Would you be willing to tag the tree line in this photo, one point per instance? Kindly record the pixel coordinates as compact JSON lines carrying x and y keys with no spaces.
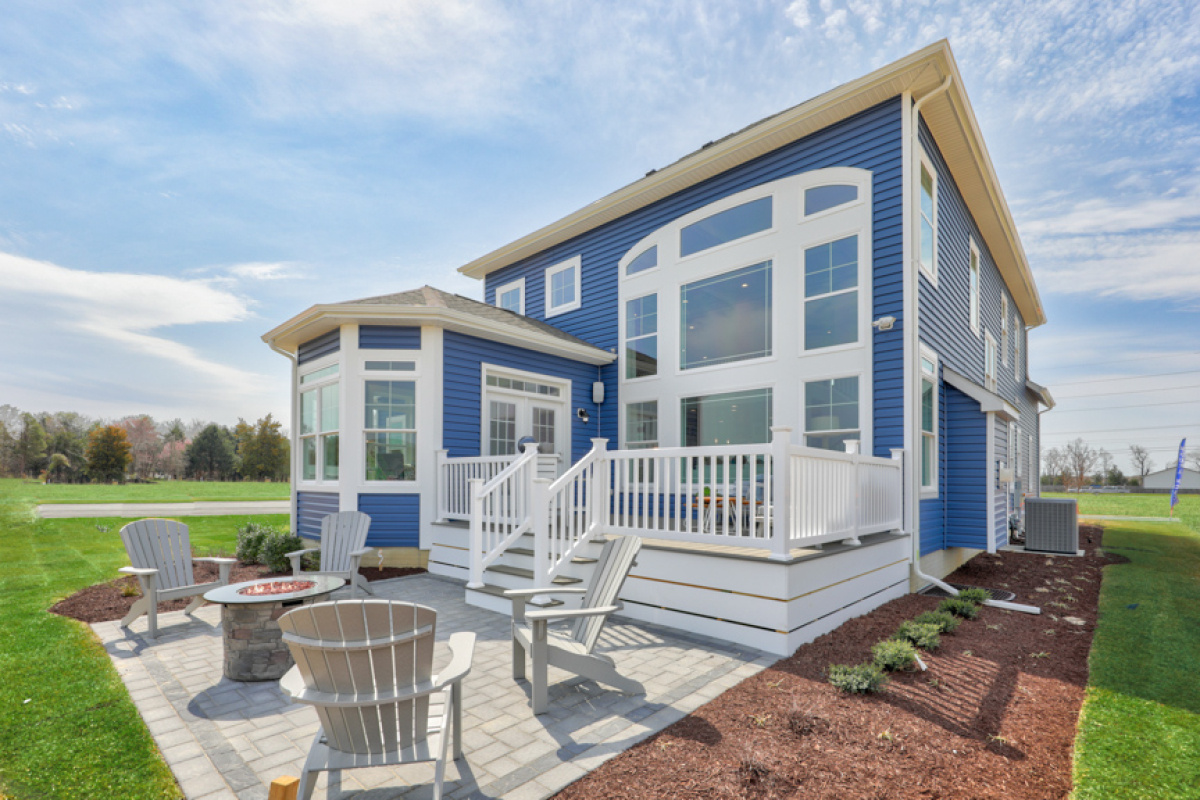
{"x":67,"y":447}
{"x":1078,"y":464}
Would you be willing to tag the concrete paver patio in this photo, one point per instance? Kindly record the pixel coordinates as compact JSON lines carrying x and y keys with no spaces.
{"x":224,"y":739}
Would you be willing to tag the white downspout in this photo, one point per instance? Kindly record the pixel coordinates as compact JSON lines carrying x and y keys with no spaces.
{"x":913,"y":286}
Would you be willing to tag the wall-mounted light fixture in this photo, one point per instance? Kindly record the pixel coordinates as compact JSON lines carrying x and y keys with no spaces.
{"x":884,"y":323}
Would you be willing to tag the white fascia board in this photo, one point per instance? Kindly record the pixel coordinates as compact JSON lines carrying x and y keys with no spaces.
{"x":1042,"y":392}
{"x":989,"y":402}
{"x":322,"y":318}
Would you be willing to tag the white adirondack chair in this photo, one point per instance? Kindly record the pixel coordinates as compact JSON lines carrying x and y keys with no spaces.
{"x":573,"y":650}
{"x":343,"y":536}
{"x":366,"y":667}
{"x":160,"y":551}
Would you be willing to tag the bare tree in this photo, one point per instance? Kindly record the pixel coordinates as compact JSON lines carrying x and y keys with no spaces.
{"x":1080,"y":461}
{"x":1141,"y":459}
{"x":1194,"y":457}
{"x":1106,"y":460}
{"x":1053,"y":465}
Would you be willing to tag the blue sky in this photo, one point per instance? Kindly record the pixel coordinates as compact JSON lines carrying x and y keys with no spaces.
{"x":181,"y":177}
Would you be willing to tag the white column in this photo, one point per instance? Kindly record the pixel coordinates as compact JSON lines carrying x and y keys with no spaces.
{"x":781,"y":493}
{"x":351,"y":469}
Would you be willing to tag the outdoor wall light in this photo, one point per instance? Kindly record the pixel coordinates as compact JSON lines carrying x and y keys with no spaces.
{"x":884,"y":323}
{"x":583,"y":415}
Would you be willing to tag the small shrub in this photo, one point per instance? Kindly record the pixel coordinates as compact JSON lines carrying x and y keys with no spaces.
{"x":892,"y":655}
{"x":310,"y":561}
{"x":959,"y":607}
{"x":945,"y":621}
{"x":130,"y":590}
{"x":250,"y":541}
{"x":975,"y":595}
{"x":275,"y":547}
{"x":926,"y":636}
{"x":857,"y":679}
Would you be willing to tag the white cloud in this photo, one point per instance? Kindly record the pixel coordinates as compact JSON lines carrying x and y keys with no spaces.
{"x":265,"y":271}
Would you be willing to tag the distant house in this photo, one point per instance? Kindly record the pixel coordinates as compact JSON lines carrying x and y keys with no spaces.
{"x":794,"y":361}
{"x":1165,"y":479}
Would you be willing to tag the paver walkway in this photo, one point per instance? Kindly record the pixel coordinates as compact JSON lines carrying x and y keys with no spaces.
{"x":212,"y":508}
{"x":225,"y":739}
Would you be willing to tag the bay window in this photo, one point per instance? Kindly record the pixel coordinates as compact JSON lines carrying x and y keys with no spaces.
{"x":319,"y":425}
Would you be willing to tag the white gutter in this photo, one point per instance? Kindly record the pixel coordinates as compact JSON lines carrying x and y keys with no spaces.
{"x":912,"y":350}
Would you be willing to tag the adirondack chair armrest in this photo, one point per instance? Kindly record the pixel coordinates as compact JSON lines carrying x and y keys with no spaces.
{"x":224,"y":565}
{"x":553,"y":590}
{"x":295,"y":558}
{"x":462,"y":653}
{"x":139,"y":571}
{"x":361,"y":552}
{"x":570,"y":613}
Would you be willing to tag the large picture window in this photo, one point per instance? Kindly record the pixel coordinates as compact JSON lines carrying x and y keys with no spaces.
{"x":641,"y":336}
{"x":730,"y":418}
{"x":319,"y":425}
{"x":390,"y":427}
{"x":831,"y":294}
{"x":831,"y":413}
{"x":726,"y":318}
{"x":726,"y":226}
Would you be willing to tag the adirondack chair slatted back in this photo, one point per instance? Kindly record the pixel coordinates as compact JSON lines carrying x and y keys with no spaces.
{"x":363,"y":647}
{"x":616,"y":559}
{"x":341,"y":534}
{"x":161,"y":544}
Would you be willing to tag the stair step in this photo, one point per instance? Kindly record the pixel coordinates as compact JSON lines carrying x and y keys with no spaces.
{"x":528,"y":551}
{"x":519,"y":572}
{"x":498,"y":591}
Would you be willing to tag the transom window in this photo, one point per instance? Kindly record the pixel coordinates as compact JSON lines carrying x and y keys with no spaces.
{"x":647,"y":259}
{"x":729,"y":418}
{"x":831,"y":413}
{"x":319,"y":375}
{"x":518,"y":385}
{"x":726,"y":226}
{"x":823,"y":198}
{"x":390,"y":366}
{"x":390,"y":427}
{"x":562,"y":287}
{"x":319,"y":425}
{"x":641,"y":336}
{"x":726,"y":318}
{"x":831,"y":292}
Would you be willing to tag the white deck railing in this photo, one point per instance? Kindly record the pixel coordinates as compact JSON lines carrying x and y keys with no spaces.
{"x":775,"y":496}
{"x":455,"y":474}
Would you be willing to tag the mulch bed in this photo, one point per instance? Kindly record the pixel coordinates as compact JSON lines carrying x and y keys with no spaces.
{"x":108,"y":601}
{"x":994,"y":716}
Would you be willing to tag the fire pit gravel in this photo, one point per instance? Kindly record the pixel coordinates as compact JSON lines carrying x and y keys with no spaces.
{"x":261,"y":588}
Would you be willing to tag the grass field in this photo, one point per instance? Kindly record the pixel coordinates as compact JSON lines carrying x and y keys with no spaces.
{"x":162,"y":492}
{"x":67,"y":726}
{"x":1138,"y":505}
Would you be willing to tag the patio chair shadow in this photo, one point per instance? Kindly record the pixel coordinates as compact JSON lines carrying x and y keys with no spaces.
{"x":231,"y":701}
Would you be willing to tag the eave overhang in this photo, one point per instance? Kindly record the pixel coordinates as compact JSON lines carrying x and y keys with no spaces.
{"x":322,"y":318}
{"x":1043,"y":394}
{"x":988,"y":400}
{"x":948,"y":115}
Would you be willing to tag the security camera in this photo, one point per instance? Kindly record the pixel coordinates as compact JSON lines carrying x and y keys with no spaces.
{"x":583,"y":415}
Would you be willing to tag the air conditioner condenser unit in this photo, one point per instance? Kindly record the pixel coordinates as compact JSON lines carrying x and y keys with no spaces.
{"x":1051,"y":526}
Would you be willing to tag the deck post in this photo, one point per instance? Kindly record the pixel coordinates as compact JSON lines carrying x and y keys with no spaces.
{"x":600,"y":487}
{"x":540,"y":517}
{"x":443,"y":484}
{"x":852,"y":449}
{"x":898,"y":457}
{"x":475,"y":487}
{"x":781,"y":493}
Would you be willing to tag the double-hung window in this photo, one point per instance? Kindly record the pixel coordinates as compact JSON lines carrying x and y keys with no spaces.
{"x":831,"y":413}
{"x":973,"y":288}
{"x":319,"y":424}
{"x":390,"y":428}
{"x":562,"y":287}
{"x":726,"y":318}
{"x":989,"y":361}
{"x":641,"y":336}
{"x":927,"y":220}
{"x":1018,"y":335}
{"x":512,"y":296}
{"x":831,"y":294}
{"x":1004,"y":329}
{"x":929,"y":423}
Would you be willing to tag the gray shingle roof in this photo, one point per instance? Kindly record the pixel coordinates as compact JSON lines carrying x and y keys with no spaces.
{"x":429,"y":297}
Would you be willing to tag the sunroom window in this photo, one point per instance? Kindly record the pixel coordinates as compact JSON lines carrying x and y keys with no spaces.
{"x":319,"y":423}
{"x":390,"y":428}
{"x":726,"y":226}
{"x":726,"y":318}
{"x":729,"y":418}
{"x":831,"y":294}
{"x":823,"y":198}
{"x":831,"y":413}
{"x":641,"y":336}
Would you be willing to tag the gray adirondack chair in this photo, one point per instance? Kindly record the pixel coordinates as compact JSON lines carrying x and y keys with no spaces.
{"x":343,"y":536}
{"x":160,"y":551}
{"x":366,"y":667}
{"x":574,"y":650}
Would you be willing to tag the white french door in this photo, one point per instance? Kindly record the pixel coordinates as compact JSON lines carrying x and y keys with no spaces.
{"x":520,"y":408}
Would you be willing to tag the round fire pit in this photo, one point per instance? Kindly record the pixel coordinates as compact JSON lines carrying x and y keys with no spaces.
{"x":254,"y":646}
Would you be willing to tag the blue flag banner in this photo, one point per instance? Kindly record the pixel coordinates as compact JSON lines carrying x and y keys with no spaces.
{"x":1178,"y":476}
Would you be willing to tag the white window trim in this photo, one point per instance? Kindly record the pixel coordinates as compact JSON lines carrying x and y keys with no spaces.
{"x":924,"y":161}
{"x":989,"y":346}
{"x":623,"y":360}
{"x":934,"y":488}
{"x":624,"y":422}
{"x":1004,"y":326}
{"x":318,"y":435}
{"x":413,"y":376}
{"x":833,"y":209}
{"x":570,"y":264}
{"x":518,"y":284}
{"x":864,"y":276}
{"x":973,"y":300}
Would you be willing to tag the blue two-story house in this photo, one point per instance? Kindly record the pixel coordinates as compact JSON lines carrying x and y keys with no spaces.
{"x":794,"y":361}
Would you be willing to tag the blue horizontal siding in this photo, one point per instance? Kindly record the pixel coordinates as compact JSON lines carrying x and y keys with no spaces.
{"x":966,"y":463}
{"x":389,"y":337}
{"x":395,"y":519}
{"x":462,"y":411}
{"x":870,"y":140}
{"x":323,"y":345}
{"x":311,"y":508}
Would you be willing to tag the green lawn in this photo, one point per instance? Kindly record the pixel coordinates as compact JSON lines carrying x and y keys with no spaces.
{"x":67,"y":726}
{"x":162,"y":492}
{"x":1139,"y":734}
{"x":1137,"y":505}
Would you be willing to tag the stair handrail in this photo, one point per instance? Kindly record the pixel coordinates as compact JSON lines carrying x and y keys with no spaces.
{"x":500,"y":517}
{"x":558,"y":537}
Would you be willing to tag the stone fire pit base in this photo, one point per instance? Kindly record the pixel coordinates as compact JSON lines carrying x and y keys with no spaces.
{"x":254,"y":646}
